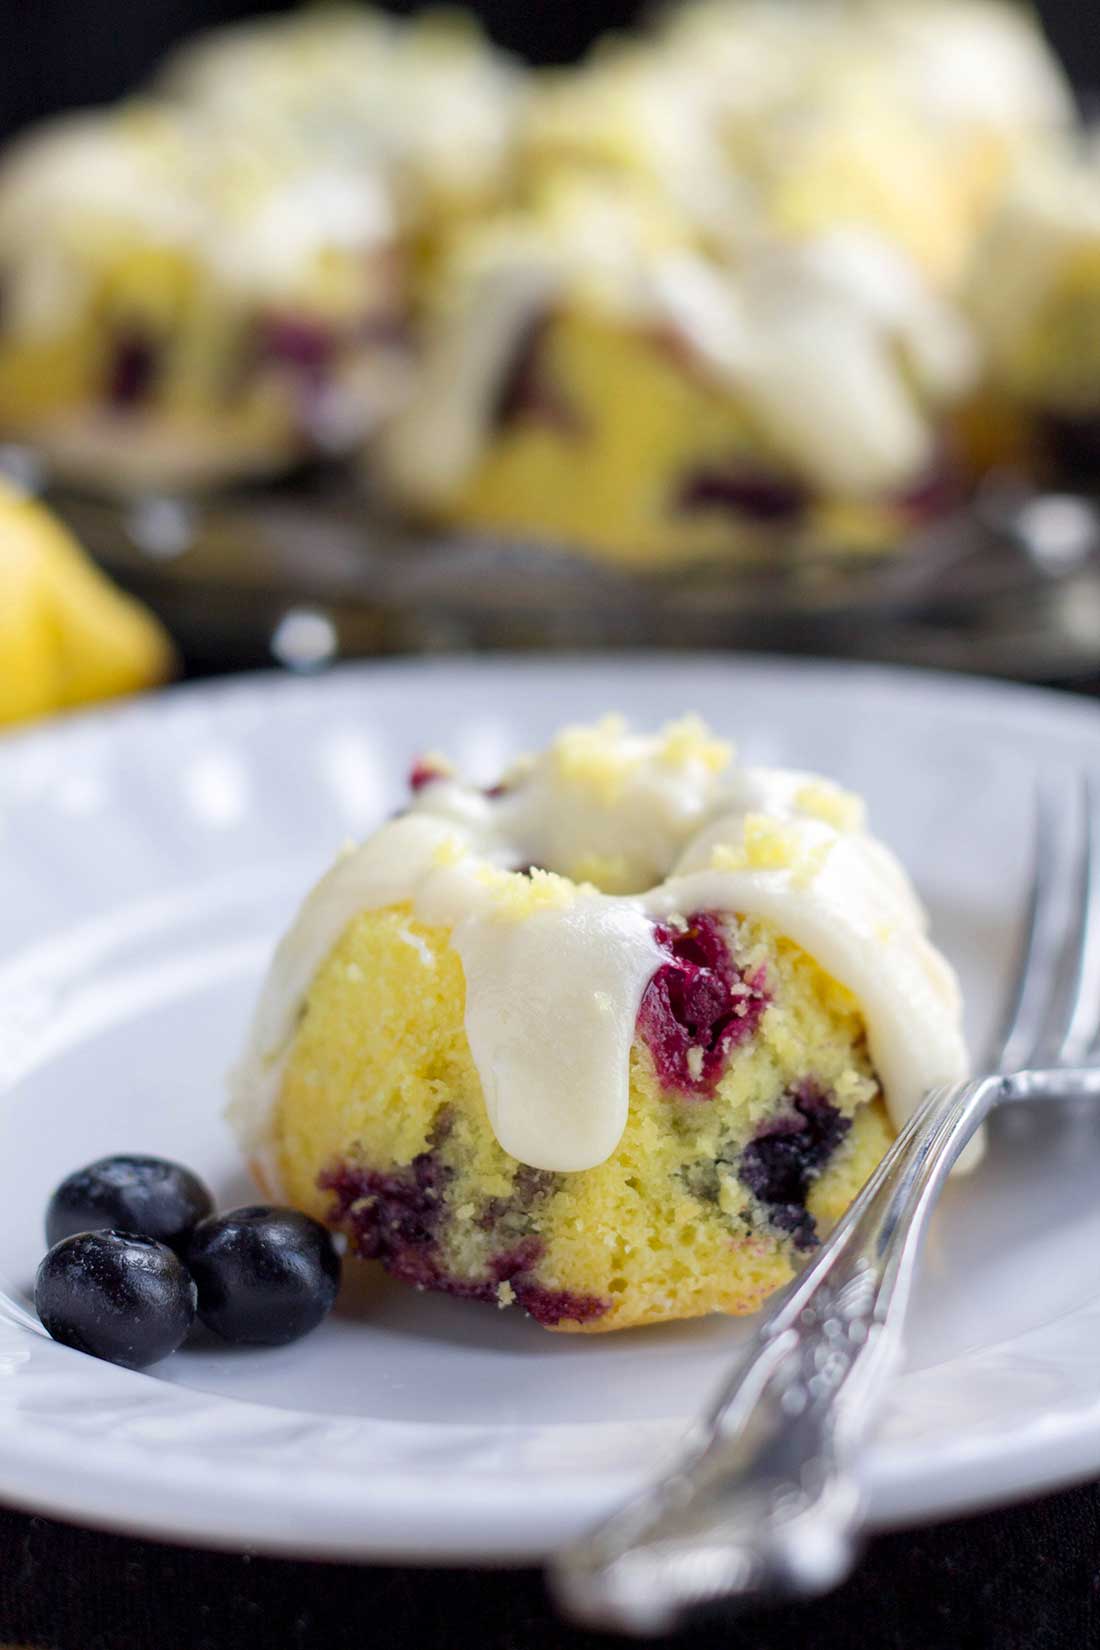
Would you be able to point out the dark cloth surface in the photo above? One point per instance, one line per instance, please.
(1023, 1578)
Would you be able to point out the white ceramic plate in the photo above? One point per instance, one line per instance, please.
(148, 857)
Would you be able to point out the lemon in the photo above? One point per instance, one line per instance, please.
(67, 636)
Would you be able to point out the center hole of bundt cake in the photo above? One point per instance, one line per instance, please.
(698, 1005)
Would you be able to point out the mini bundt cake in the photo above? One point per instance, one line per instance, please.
(590, 379)
(616, 1041)
(183, 305)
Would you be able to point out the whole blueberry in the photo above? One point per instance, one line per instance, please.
(115, 1295)
(265, 1276)
(147, 1195)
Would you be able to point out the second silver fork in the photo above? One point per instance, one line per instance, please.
(763, 1502)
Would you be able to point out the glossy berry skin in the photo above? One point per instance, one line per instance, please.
(146, 1195)
(265, 1276)
(115, 1295)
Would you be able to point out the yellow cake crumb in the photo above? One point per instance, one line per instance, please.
(517, 895)
(769, 844)
(596, 758)
(612, 873)
(841, 809)
(689, 740)
(449, 850)
(766, 845)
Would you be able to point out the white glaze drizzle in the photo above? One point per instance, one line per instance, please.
(554, 982)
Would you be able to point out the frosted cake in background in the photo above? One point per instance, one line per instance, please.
(589, 375)
(724, 288)
(182, 305)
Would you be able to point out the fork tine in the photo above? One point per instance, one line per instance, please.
(1021, 1023)
(1080, 1024)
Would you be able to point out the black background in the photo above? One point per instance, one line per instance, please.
(1024, 1578)
(59, 53)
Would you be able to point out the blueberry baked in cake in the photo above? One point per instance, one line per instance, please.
(615, 1041)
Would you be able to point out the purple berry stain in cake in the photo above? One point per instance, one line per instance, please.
(132, 369)
(698, 1006)
(392, 1216)
(529, 393)
(934, 493)
(749, 495)
(398, 1217)
(780, 1165)
(297, 342)
(424, 772)
(388, 329)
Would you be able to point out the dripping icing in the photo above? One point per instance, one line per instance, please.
(556, 968)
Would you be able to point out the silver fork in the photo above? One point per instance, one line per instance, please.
(763, 1502)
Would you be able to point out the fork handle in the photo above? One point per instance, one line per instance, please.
(763, 1503)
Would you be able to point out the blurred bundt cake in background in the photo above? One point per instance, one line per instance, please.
(183, 305)
(589, 375)
(726, 287)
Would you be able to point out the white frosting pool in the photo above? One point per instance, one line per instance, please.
(555, 970)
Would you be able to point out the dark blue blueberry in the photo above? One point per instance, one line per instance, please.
(745, 494)
(265, 1276)
(116, 1296)
(146, 1195)
(780, 1165)
(133, 366)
